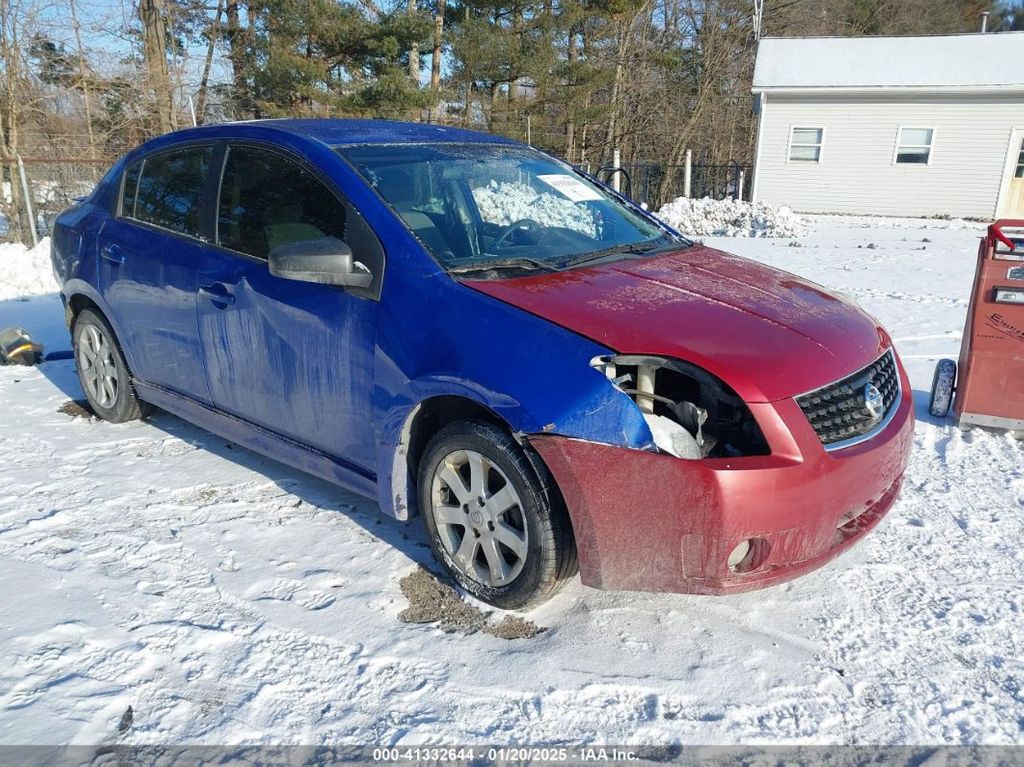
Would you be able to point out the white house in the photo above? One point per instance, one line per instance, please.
(912, 126)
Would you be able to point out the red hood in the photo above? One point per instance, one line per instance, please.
(766, 333)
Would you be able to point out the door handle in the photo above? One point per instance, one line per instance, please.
(112, 253)
(218, 294)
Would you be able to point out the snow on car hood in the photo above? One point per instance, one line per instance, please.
(765, 332)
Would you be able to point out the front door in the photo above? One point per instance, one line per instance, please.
(293, 357)
(148, 257)
(1012, 202)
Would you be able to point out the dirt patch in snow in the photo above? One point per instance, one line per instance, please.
(431, 601)
(513, 627)
(76, 409)
(731, 218)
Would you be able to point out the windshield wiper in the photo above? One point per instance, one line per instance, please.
(503, 263)
(632, 249)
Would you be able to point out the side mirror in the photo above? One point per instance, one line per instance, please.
(327, 261)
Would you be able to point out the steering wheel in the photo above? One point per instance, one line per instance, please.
(515, 226)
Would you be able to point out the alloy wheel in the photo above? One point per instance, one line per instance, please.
(479, 518)
(95, 357)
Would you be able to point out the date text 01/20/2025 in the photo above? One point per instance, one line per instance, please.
(504, 754)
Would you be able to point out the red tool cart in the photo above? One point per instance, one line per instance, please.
(988, 382)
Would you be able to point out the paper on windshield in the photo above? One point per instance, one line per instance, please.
(570, 187)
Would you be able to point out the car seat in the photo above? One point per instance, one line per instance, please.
(287, 224)
(395, 185)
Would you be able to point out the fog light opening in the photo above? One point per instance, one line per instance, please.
(739, 555)
(748, 555)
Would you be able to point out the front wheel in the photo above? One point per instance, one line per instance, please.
(942, 388)
(501, 532)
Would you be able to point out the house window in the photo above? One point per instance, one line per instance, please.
(1019, 173)
(914, 146)
(805, 144)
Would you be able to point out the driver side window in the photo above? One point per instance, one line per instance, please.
(267, 200)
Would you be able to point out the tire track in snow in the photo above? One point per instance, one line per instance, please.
(951, 518)
(190, 623)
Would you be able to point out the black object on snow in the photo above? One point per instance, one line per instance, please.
(18, 348)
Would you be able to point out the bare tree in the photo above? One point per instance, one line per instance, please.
(435, 57)
(414, 51)
(204, 82)
(154, 48)
(83, 78)
(18, 24)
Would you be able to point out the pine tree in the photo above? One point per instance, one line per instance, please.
(320, 57)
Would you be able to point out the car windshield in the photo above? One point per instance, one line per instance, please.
(489, 207)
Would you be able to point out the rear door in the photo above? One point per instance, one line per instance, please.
(293, 357)
(149, 256)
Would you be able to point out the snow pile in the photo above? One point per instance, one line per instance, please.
(731, 218)
(26, 271)
(506, 202)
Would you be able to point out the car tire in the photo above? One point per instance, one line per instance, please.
(943, 384)
(102, 370)
(494, 517)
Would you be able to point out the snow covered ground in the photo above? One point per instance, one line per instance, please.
(26, 271)
(226, 598)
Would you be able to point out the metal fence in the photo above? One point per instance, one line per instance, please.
(56, 183)
(52, 183)
(656, 184)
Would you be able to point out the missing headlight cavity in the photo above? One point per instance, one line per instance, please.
(691, 413)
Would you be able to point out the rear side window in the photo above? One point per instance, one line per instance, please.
(128, 190)
(170, 190)
(267, 201)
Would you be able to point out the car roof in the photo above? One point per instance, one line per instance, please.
(337, 131)
(341, 132)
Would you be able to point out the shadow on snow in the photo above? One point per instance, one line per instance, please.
(43, 318)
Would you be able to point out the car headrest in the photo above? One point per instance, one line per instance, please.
(395, 186)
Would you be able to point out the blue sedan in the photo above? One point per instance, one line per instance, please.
(474, 332)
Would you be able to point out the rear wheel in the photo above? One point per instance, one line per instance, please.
(942, 388)
(102, 370)
(501, 532)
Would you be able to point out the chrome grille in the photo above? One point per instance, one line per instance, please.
(839, 412)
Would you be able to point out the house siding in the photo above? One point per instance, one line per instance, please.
(857, 172)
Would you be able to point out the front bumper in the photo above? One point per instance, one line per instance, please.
(651, 522)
